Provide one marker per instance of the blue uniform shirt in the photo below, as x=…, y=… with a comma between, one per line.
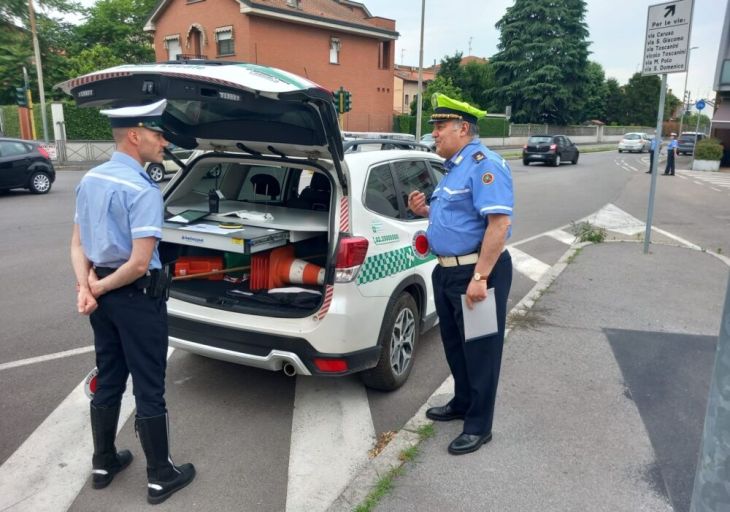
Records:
x=672, y=144
x=115, y=203
x=653, y=144
x=479, y=183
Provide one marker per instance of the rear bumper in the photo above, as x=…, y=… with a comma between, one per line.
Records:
x=261, y=350
x=538, y=157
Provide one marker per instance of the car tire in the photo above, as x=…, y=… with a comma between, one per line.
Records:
x=575, y=160
x=620, y=150
x=156, y=172
x=39, y=183
x=398, y=339
x=525, y=162
x=556, y=162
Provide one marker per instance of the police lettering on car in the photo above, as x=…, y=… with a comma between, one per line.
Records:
x=122, y=286
x=469, y=221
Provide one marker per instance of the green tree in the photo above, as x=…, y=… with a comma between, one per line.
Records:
x=615, y=112
x=478, y=80
x=596, y=93
x=116, y=25
x=540, y=66
x=16, y=11
x=440, y=84
x=92, y=59
x=450, y=68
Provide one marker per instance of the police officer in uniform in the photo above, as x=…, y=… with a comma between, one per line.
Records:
x=469, y=221
x=122, y=286
x=671, y=154
x=652, y=147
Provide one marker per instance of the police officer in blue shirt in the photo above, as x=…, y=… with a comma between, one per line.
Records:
x=652, y=147
x=122, y=286
x=671, y=154
x=469, y=221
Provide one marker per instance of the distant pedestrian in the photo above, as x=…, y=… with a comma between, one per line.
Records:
x=123, y=286
x=469, y=222
x=671, y=155
x=652, y=147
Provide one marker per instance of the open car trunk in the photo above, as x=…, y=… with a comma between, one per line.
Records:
x=266, y=251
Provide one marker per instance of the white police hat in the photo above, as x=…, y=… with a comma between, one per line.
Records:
x=143, y=116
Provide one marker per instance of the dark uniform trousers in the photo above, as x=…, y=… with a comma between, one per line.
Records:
x=474, y=364
x=130, y=336
x=669, y=169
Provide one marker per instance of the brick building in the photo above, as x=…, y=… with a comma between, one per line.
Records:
x=332, y=42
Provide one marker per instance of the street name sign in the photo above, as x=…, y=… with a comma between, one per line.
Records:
x=668, y=28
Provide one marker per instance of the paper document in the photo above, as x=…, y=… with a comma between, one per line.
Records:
x=482, y=319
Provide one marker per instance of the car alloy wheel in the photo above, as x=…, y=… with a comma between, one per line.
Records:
x=40, y=183
x=156, y=172
x=557, y=160
x=398, y=340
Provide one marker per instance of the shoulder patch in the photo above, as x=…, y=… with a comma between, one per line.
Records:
x=478, y=156
x=487, y=178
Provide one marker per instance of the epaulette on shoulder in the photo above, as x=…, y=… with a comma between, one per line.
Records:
x=479, y=156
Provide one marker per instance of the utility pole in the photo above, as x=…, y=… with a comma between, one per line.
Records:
x=39, y=70
x=419, y=104
x=470, y=40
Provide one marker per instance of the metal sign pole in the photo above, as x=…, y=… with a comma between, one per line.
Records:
x=655, y=160
x=711, y=489
x=697, y=127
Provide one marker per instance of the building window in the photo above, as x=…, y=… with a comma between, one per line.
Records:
x=294, y=3
x=334, y=51
x=725, y=73
x=172, y=45
x=224, y=41
x=384, y=55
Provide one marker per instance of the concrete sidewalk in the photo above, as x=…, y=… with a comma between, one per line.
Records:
x=601, y=400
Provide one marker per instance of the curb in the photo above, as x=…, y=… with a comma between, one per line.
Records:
x=363, y=483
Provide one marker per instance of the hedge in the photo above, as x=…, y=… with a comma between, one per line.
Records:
x=708, y=149
x=81, y=123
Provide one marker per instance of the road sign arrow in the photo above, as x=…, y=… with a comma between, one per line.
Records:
x=671, y=9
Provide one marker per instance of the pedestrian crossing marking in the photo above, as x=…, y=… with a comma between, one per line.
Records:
x=527, y=265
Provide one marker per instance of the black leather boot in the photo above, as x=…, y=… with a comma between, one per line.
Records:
x=106, y=461
x=163, y=477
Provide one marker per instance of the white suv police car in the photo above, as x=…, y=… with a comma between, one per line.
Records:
x=290, y=252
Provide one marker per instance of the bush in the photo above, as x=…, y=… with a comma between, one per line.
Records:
x=708, y=149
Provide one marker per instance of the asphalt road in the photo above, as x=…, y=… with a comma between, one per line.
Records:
x=235, y=423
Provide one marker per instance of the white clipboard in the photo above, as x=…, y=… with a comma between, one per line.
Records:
x=482, y=319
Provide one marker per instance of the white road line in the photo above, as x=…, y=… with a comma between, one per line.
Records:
x=332, y=431
x=615, y=219
x=698, y=182
x=717, y=189
x=49, y=357
x=632, y=168
x=47, y=472
x=675, y=237
x=527, y=265
x=561, y=236
x=680, y=176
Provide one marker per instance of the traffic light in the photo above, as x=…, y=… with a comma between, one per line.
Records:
x=347, y=101
x=21, y=97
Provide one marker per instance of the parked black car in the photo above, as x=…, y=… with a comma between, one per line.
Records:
x=549, y=149
x=686, y=142
x=25, y=164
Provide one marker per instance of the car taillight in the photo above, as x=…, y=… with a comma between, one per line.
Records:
x=350, y=256
x=330, y=365
x=524, y=147
x=553, y=147
x=43, y=152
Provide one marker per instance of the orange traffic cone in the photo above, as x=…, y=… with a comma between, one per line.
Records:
x=279, y=267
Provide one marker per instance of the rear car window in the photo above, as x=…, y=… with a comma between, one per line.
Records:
x=13, y=148
x=380, y=192
x=539, y=139
x=632, y=136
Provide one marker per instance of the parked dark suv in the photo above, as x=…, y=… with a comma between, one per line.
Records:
x=686, y=142
x=549, y=149
x=25, y=164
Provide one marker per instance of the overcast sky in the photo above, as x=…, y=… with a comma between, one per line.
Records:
x=617, y=31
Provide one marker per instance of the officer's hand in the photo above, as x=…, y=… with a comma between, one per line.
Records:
x=85, y=302
x=417, y=203
x=94, y=284
x=475, y=292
